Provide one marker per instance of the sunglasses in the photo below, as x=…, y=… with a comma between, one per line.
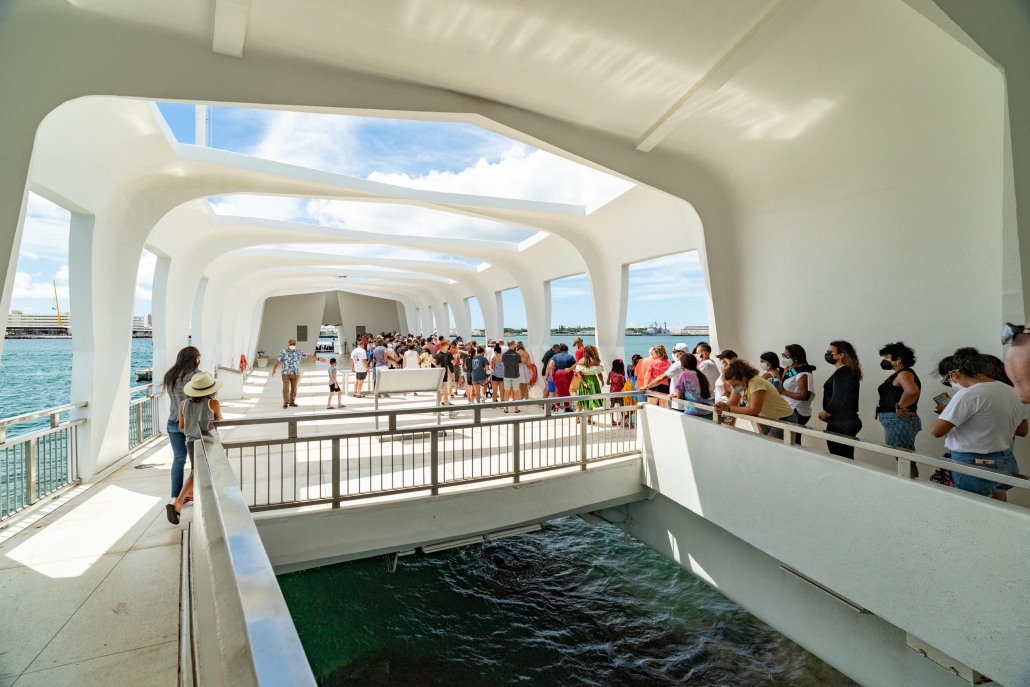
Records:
x=946, y=381
x=1010, y=331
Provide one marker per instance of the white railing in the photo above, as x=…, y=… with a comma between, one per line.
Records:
x=240, y=629
x=38, y=463
x=293, y=470
x=904, y=457
x=142, y=416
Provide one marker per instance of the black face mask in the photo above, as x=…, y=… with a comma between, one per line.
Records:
x=828, y=357
x=886, y=365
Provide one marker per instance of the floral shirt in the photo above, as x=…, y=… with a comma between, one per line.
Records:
x=291, y=360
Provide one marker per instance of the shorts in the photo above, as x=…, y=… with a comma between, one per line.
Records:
x=550, y=385
x=360, y=376
x=473, y=380
x=468, y=379
x=524, y=374
x=498, y=380
x=334, y=388
x=511, y=383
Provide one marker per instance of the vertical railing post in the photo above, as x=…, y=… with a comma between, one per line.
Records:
x=583, y=441
x=393, y=422
x=55, y=419
x=139, y=423
x=30, y=472
x=336, y=473
x=516, y=450
x=291, y=429
x=434, y=460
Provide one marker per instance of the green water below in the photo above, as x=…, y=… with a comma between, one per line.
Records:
x=573, y=604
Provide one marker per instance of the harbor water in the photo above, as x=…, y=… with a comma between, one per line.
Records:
x=574, y=604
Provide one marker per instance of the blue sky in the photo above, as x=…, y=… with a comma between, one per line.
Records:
x=442, y=156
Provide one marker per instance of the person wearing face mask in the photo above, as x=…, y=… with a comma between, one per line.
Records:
x=705, y=364
x=840, y=396
x=290, y=359
x=898, y=396
x=797, y=384
x=979, y=422
x=758, y=397
x=771, y=370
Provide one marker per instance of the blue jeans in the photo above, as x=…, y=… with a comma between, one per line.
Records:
x=999, y=460
x=177, y=439
x=900, y=431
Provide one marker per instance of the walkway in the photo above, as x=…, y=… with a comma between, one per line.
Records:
x=90, y=584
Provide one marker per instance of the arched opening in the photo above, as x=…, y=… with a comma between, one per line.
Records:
x=667, y=303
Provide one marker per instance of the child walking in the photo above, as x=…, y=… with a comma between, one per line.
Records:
x=197, y=415
x=334, y=387
x=479, y=374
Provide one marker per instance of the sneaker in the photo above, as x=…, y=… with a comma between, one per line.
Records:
x=453, y=413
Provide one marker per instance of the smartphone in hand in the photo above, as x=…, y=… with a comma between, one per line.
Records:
x=942, y=399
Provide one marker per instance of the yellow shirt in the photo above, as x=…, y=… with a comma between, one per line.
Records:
x=773, y=405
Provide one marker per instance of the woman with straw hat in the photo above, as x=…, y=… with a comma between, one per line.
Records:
x=197, y=415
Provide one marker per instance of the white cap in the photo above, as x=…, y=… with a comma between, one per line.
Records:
x=682, y=347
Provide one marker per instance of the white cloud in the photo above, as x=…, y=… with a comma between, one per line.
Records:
x=319, y=141
x=145, y=272
x=35, y=286
x=45, y=233
x=522, y=172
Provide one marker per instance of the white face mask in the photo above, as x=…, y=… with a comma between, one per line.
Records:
x=766, y=366
x=787, y=362
x=292, y=347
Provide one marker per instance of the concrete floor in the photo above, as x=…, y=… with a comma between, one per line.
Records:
x=89, y=582
x=89, y=585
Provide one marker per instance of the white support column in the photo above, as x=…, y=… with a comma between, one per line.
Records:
x=197, y=334
x=459, y=307
x=102, y=297
x=499, y=304
x=610, y=302
x=537, y=297
x=159, y=311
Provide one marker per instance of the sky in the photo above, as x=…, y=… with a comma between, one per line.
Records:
x=441, y=156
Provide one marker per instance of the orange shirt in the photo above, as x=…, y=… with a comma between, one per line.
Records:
x=638, y=372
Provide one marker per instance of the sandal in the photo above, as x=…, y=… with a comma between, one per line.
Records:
x=506, y=409
x=171, y=513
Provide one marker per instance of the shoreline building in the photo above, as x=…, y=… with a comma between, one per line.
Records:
x=855, y=169
x=27, y=325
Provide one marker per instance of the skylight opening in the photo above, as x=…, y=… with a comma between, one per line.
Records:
x=452, y=157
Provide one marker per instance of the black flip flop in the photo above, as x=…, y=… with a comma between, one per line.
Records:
x=171, y=513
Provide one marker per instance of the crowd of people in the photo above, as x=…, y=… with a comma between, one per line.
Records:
x=979, y=417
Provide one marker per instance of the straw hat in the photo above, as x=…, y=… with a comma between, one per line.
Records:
x=202, y=384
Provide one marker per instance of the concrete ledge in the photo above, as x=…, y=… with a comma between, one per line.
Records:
x=301, y=540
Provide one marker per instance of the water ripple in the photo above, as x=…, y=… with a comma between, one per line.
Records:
x=570, y=605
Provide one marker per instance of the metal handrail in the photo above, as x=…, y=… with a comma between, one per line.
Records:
x=371, y=414
x=23, y=438
x=243, y=633
x=422, y=429
x=35, y=415
x=903, y=455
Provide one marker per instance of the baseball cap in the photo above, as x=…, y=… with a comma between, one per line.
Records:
x=727, y=354
x=681, y=347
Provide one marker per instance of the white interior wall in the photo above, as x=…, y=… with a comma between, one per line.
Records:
x=282, y=315
x=376, y=314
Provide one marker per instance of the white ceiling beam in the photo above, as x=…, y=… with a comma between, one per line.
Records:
x=756, y=38
x=230, y=32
